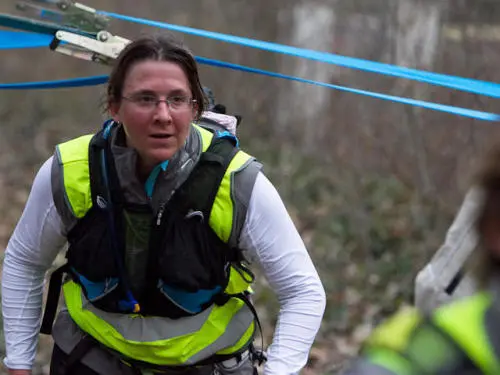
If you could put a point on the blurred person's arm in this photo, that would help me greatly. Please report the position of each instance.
(438, 275)
(270, 237)
(31, 250)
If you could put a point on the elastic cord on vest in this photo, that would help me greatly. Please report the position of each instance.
(258, 355)
(131, 303)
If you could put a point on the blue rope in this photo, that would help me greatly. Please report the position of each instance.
(459, 83)
(56, 84)
(418, 103)
(16, 39)
(97, 80)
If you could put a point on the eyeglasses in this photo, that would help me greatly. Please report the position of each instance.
(150, 102)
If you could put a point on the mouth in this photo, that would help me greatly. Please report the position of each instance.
(160, 136)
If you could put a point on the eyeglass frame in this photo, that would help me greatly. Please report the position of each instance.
(157, 100)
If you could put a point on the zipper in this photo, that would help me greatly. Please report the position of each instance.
(161, 210)
(153, 259)
(160, 214)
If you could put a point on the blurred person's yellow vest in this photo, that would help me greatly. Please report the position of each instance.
(410, 343)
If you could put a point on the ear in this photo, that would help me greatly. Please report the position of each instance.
(114, 109)
(194, 110)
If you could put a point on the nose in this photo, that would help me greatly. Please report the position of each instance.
(162, 112)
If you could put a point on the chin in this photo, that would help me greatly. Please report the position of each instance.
(162, 156)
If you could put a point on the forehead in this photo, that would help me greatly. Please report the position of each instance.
(158, 76)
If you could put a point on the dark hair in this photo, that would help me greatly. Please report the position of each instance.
(163, 47)
(488, 180)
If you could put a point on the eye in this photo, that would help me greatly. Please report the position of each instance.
(146, 99)
(178, 99)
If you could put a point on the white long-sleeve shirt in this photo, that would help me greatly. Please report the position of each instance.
(269, 237)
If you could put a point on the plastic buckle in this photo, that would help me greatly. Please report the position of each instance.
(258, 356)
(104, 49)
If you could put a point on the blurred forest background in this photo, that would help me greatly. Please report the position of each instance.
(371, 185)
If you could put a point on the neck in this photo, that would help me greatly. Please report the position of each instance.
(143, 170)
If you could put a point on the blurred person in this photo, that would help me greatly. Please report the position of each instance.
(444, 278)
(163, 215)
(460, 337)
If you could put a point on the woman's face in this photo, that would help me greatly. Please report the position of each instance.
(156, 129)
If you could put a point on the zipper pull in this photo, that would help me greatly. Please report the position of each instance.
(160, 214)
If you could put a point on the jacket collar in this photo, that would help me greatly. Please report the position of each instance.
(166, 182)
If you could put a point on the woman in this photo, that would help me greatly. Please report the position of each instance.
(161, 217)
(462, 337)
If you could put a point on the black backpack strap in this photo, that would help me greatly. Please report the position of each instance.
(97, 144)
(107, 196)
(74, 357)
(219, 154)
(54, 292)
(104, 184)
(201, 187)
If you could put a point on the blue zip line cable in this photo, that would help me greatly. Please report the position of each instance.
(27, 40)
(397, 99)
(464, 84)
(56, 84)
(17, 39)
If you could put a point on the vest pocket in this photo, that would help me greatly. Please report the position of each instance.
(192, 266)
(95, 290)
(191, 303)
(89, 251)
(93, 264)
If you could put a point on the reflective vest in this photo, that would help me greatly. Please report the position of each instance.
(217, 332)
(409, 343)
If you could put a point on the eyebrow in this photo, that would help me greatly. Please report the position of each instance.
(175, 92)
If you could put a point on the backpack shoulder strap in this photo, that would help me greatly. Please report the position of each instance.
(199, 191)
(104, 184)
